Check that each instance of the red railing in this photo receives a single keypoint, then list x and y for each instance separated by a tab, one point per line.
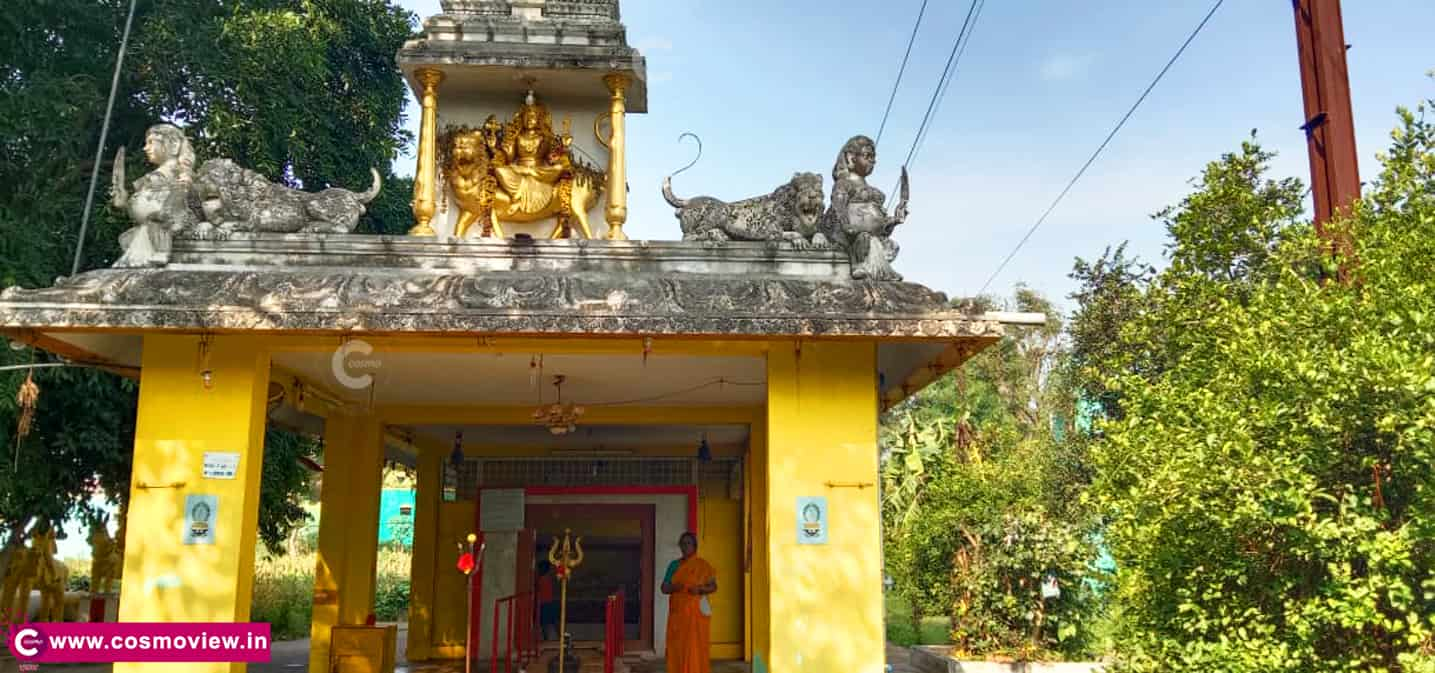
613	630
519	637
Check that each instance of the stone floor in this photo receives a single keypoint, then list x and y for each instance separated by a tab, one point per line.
899	660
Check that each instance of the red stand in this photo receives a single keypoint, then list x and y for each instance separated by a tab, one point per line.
97	609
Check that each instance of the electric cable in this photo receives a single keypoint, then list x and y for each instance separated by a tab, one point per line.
1099	149
910	41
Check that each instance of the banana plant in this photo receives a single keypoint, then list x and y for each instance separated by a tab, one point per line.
911	450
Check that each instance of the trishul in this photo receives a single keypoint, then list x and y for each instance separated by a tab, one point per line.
566	554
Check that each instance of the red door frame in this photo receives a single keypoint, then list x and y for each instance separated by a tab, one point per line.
476	605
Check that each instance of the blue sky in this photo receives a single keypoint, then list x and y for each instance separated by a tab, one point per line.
777	87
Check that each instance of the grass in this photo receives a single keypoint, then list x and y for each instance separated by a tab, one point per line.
284	591
902	631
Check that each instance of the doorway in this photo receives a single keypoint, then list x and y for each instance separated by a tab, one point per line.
617	560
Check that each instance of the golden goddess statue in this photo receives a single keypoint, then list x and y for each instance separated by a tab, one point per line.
518	172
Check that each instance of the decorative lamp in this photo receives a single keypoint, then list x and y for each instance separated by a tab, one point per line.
559	418
705	452
456	457
451	468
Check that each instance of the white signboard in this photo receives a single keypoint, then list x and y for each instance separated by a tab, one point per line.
221	464
500	509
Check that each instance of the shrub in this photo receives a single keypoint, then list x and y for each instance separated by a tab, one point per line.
981	552
1269	486
284	591
902	633
284	595
391	598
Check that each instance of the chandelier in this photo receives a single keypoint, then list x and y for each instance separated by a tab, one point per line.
559	418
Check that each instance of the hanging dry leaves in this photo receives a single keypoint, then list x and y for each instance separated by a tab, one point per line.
27	396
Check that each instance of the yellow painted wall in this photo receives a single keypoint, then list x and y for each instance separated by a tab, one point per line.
825	600
759	573
720	542
455	522
178	421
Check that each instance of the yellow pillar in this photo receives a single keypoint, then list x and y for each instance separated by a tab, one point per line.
617	211
426	173
425	558
179	420
348	529
825	600
758	582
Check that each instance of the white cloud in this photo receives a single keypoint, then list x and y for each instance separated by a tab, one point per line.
1058	67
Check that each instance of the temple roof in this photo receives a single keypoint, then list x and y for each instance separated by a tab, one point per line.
497	46
354	285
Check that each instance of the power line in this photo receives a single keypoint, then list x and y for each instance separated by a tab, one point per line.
948	85
903	69
104	133
941	81
1102	147
959	48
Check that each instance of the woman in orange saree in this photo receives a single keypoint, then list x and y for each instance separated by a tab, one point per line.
687	583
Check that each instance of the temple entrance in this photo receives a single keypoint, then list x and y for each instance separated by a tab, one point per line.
618	560
630	489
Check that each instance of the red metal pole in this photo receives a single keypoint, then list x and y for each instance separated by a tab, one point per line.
1330	124
531	633
493	645
475	606
608	636
508	646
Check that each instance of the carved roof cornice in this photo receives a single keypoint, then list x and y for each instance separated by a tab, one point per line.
388	301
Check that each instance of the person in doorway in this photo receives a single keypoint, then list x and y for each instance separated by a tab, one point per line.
688	583
547	601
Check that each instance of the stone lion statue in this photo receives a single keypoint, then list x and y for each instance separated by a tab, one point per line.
790	213
238	199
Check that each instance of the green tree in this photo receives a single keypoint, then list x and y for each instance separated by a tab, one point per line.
1226	231
978	499
1268	483
305	91
1108	297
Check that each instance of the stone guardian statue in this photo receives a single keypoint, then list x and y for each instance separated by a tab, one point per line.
857	219
159	203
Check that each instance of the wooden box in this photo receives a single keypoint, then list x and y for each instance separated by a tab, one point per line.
362	649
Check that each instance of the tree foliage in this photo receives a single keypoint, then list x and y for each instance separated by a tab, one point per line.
976	500
1268	481
304	91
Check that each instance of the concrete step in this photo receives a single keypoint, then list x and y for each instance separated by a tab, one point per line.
590	661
